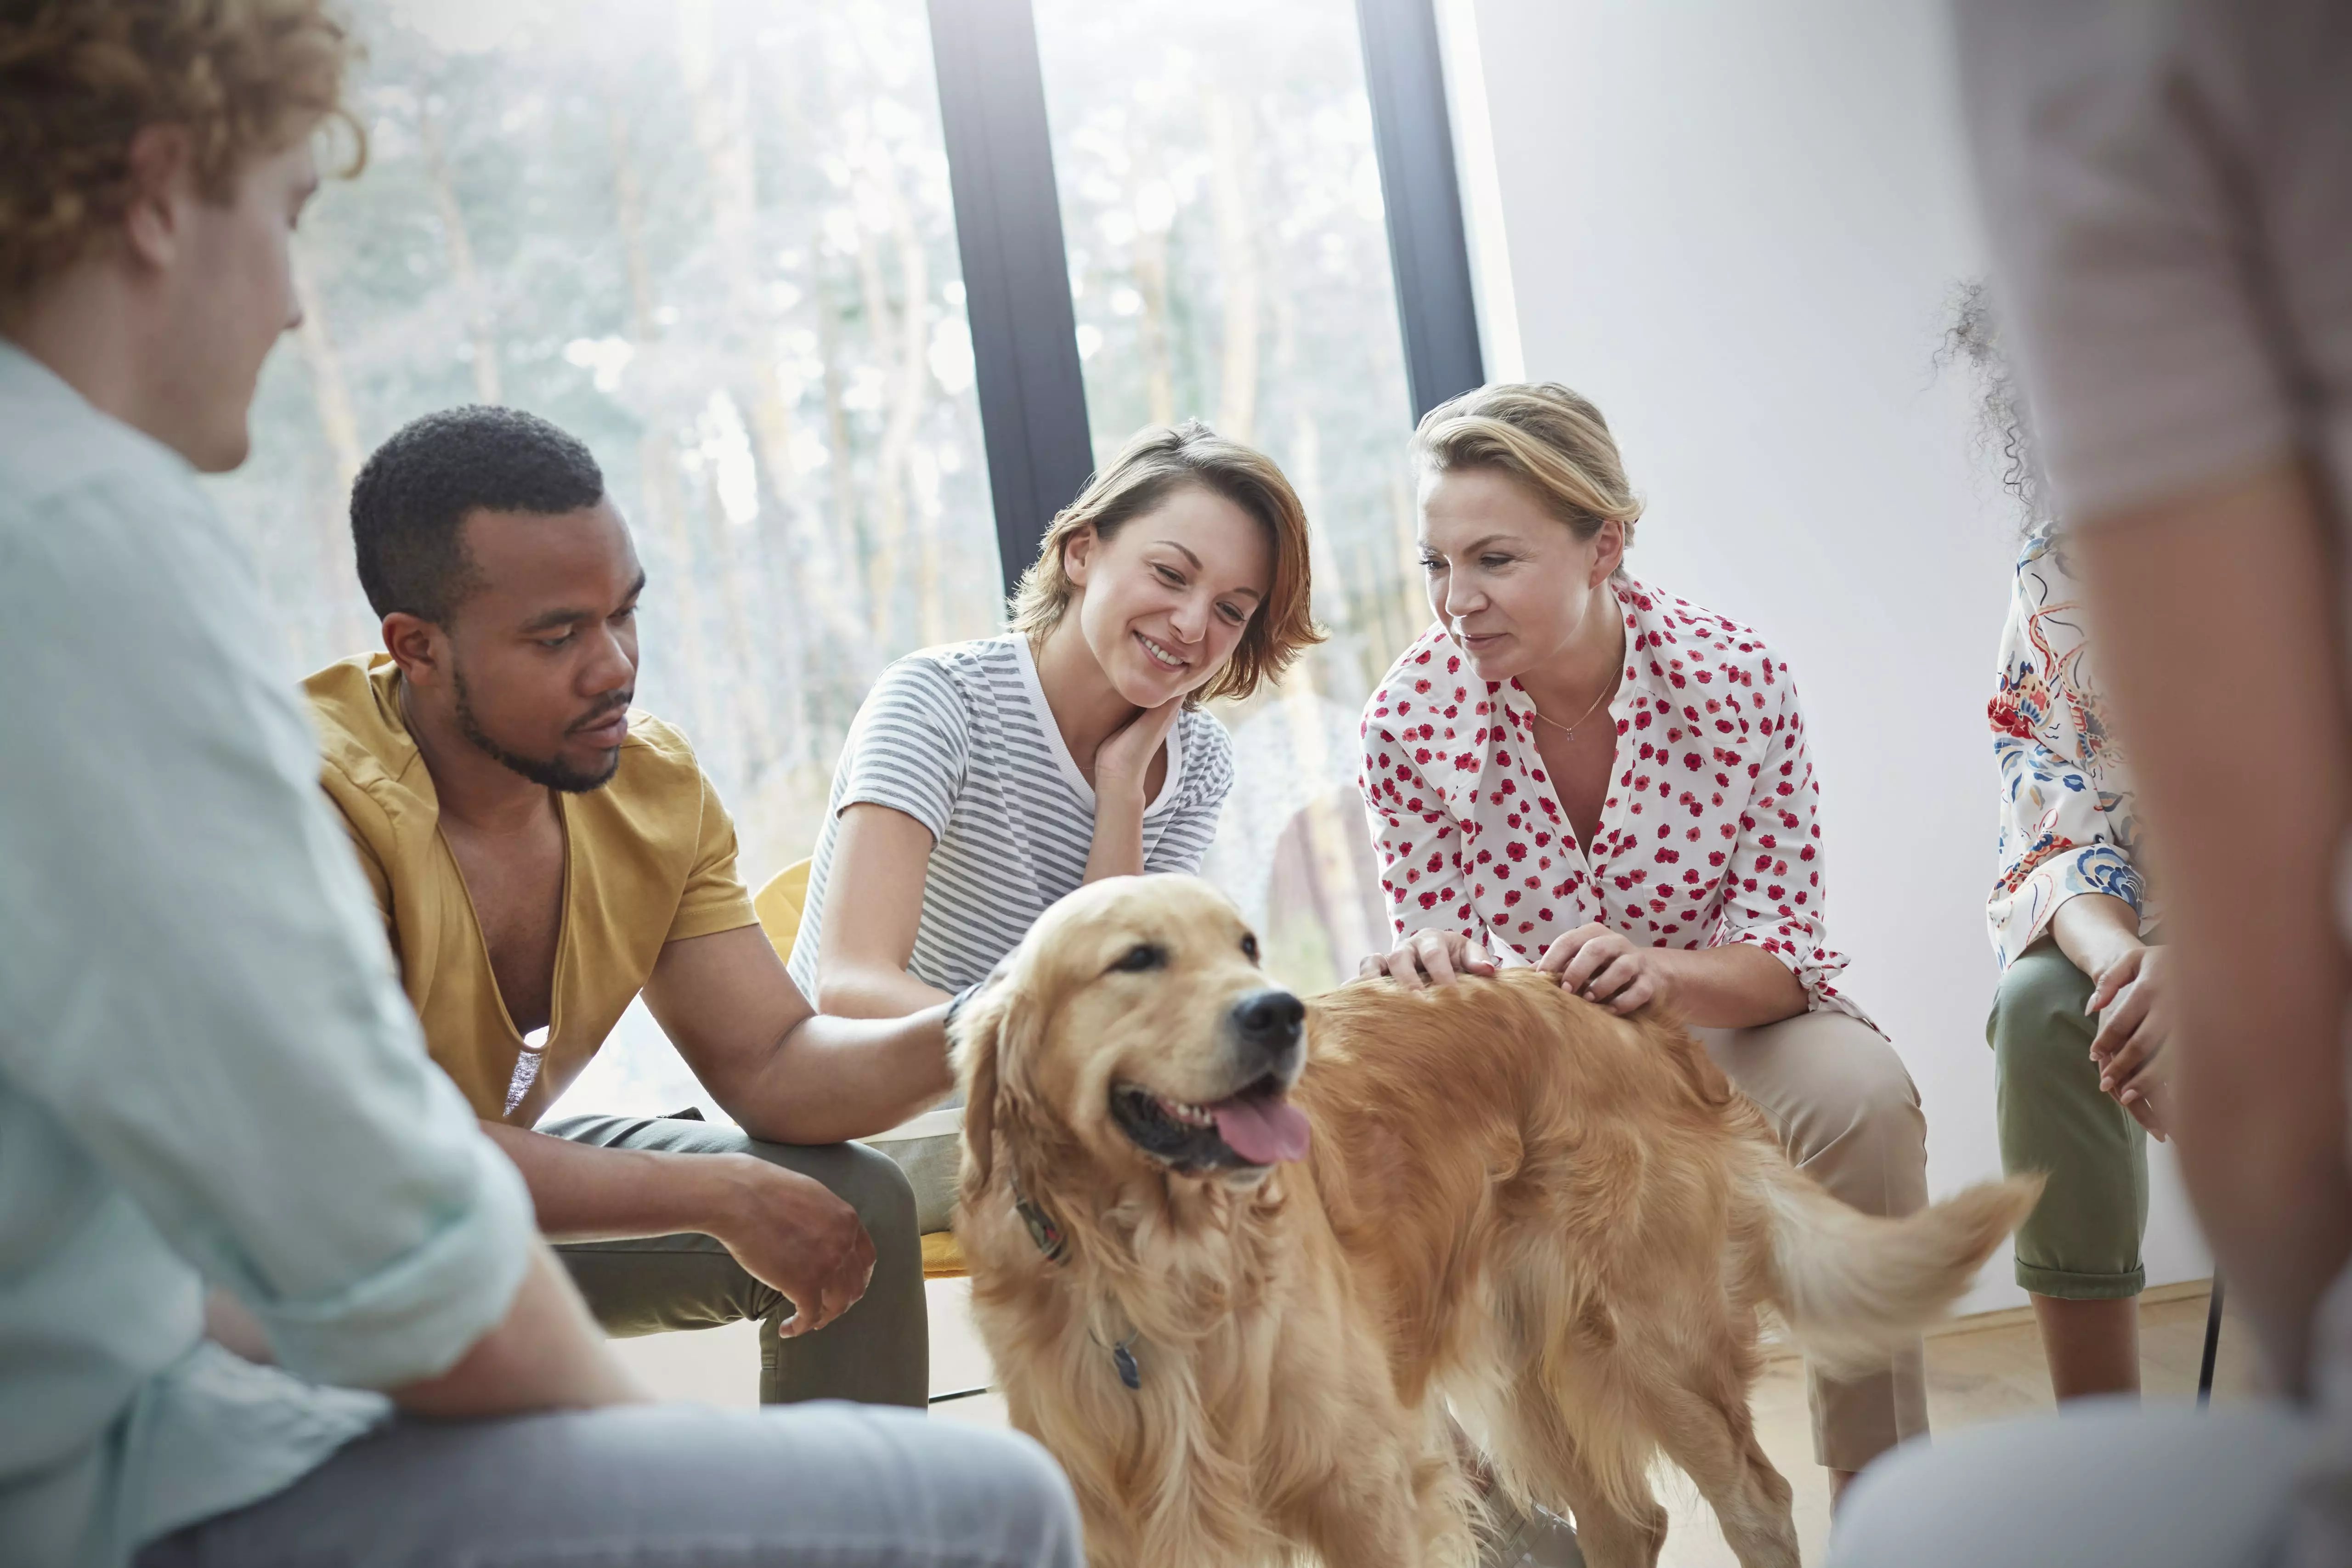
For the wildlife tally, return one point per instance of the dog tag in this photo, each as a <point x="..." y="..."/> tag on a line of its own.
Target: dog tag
<point x="1129" y="1372"/>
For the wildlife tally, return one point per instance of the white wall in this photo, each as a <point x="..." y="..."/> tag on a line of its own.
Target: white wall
<point x="1738" y="228"/>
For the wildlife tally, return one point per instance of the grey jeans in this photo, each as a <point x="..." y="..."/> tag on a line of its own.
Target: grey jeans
<point x="877" y="1353"/>
<point x="816" y="1486"/>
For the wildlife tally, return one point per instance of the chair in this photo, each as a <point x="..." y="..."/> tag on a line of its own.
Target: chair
<point x="780" y="905"/>
<point x="2213" y="1342"/>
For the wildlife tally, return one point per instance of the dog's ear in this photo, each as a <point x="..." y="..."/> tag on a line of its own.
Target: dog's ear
<point x="979" y="1039"/>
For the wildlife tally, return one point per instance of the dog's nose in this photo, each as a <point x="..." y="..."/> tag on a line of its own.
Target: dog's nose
<point x="1269" y="1019"/>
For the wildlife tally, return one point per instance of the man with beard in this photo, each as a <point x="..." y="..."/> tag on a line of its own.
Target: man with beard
<point x="544" y="855"/>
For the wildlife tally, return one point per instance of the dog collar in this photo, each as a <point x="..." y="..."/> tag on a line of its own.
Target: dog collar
<point x="1042" y="1229"/>
<point x="1057" y="1247"/>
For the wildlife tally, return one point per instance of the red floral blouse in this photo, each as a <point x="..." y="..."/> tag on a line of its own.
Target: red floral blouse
<point x="1708" y="834"/>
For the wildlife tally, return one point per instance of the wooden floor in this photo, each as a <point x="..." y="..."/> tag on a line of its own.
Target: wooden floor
<point x="1979" y="1369"/>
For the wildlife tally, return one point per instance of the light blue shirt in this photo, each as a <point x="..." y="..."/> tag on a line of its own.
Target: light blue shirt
<point x="208" y="1072"/>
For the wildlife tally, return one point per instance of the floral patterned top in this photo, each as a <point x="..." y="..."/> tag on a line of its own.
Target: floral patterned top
<point x="2068" y="821"/>
<point x="1709" y="834"/>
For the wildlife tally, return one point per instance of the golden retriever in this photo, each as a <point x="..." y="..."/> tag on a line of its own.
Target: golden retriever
<point x="1241" y="1341"/>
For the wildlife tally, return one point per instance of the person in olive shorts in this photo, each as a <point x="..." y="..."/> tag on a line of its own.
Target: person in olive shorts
<point x="2079" y="1022"/>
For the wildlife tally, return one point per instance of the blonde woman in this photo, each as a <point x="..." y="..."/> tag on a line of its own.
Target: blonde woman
<point x="1573" y="770"/>
<point x="984" y="780"/>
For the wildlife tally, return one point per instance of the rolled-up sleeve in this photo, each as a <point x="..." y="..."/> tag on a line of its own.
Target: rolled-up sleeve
<point x="714" y="898"/>
<point x="1773" y="892"/>
<point x="1418" y="841"/>
<point x="198" y="983"/>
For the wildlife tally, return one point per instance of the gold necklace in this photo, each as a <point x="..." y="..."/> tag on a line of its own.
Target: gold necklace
<point x="1569" y="730"/>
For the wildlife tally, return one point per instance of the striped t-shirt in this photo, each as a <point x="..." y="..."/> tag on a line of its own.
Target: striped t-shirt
<point x="959" y="739"/>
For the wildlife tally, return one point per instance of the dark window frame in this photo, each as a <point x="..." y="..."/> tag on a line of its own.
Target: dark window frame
<point x="1008" y="214"/>
<point x="1429" y="248"/>
<point x="1016" y="270"/>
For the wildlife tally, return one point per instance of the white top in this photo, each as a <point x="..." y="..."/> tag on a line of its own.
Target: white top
<point x="1710" y="833"/>
<point x="205" y="1059"/>
<point x="959" y="738"/>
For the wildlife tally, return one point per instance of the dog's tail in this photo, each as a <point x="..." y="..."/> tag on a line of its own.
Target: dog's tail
<point x="1852" y="1287"/>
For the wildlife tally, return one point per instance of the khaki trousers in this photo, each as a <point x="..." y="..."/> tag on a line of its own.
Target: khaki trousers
<point x="1848" y="1114"/>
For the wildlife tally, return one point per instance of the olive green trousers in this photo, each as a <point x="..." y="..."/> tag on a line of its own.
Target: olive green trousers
<point x="877" y="1353"/>
<point x="2081" y="1241"/>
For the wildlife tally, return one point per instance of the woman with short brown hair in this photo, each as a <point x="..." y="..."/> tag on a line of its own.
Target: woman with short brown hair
<point x="984" y="780"/>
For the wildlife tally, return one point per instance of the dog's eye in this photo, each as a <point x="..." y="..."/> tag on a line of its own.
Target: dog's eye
<point x="1141" y="956"/>
<point x="1249" y="947"/>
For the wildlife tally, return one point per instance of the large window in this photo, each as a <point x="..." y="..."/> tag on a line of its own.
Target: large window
<point x="713" y="240"/>
<point x="1228" y="259"/>
<point x="716" y="239"/>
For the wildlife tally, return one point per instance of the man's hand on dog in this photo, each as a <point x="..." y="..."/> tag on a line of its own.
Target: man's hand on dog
<point x="789" y="1232"/>
<point x="1438" y="956"/>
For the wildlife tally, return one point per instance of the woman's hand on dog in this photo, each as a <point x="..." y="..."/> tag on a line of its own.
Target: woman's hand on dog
<point x="1601" y="966"/>
<point x="788" y="1231"/>
<point x="1440" y="957"/>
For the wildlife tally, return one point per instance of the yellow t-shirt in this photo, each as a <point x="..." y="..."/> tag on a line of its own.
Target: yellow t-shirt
<point x="648" y="859"/>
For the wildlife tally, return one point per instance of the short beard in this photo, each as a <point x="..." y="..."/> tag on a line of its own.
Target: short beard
<point x="548" y="773"/>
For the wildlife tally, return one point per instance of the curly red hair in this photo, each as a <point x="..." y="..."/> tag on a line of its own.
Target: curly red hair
<point x="79" y="78"/>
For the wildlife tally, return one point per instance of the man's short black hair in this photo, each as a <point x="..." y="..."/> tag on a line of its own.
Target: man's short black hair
<point x="411" y="499"/>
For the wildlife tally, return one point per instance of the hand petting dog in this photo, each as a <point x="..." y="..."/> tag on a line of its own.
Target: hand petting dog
<point x="1734" y="985"/>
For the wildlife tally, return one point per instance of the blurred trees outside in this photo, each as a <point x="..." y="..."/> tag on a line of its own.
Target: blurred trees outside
<point x="1220" y="207"/>
<point x="714" y="240"/>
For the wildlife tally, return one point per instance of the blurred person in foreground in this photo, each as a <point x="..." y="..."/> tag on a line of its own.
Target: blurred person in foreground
<point x="543" y="853"/>
<point x="2169" y="193"/>
<point x="207" y="1072"/>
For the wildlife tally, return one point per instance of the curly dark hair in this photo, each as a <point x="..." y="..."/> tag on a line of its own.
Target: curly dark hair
<point x="1974" y="336"/>
<point x="80" y="78"/>
<point x="410" y="501"/>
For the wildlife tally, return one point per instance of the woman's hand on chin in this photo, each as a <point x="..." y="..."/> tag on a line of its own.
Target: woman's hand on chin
<point x="1601" y="966"/>
<point x="1441" y="957"/>
<point x="1123" y="761"/>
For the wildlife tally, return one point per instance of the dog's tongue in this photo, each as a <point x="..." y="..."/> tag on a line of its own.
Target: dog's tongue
<point x="1262" y="1128"/>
